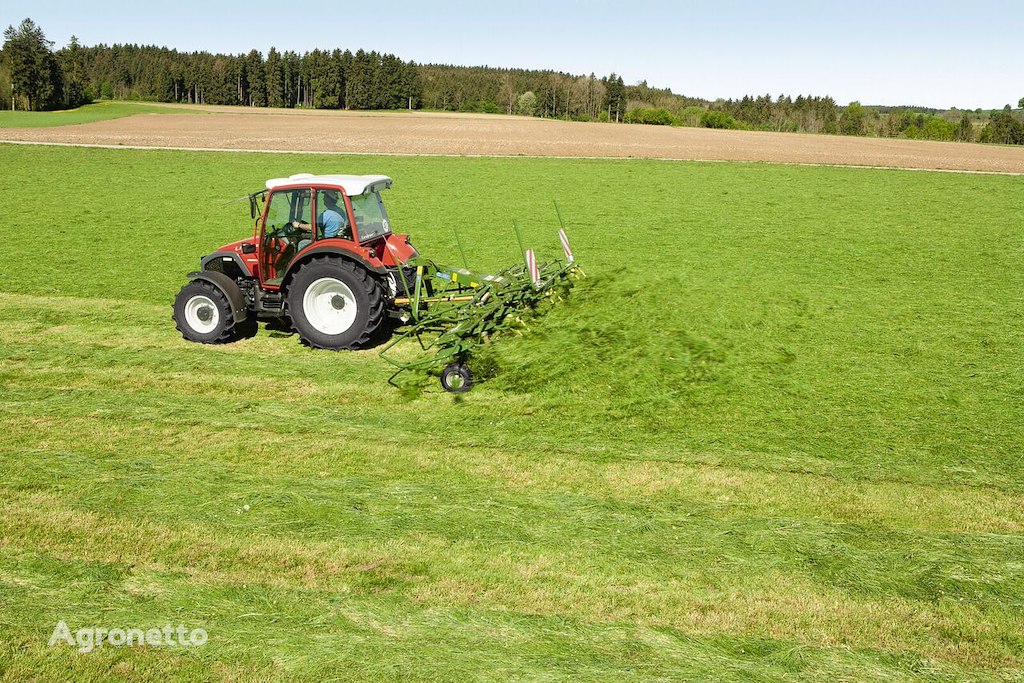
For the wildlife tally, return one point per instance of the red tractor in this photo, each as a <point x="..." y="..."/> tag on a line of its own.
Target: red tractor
<point x="322" y="254"/>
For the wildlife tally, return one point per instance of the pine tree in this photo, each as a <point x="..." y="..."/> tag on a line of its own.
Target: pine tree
<point x="36" y="78"/>
<point x="346" y="70"/>
<point x="256" y="76"/>
<point x="274" y="79"/>
<point x="615" y="97"/>
<point x="388" y="83"/>
<point x="965" y="131"/>
<point x="73" y="68"/>
<point x="409" y="86"/>
<point x="360" y="81"/>
<point x="828" y="112"/>
<point x="334" y="87"/>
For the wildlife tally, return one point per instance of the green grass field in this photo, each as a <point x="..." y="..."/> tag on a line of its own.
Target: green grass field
<point x="776" y="434"/>
<point x="89" y="113"/>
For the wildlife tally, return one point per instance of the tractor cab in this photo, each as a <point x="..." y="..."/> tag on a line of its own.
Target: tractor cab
<point x="307" y="212"/>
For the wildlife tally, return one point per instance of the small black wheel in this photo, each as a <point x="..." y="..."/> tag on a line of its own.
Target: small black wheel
<point x="456" y="378"/>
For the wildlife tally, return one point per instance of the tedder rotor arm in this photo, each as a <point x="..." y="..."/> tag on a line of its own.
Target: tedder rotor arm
<point x="465" y="309"/>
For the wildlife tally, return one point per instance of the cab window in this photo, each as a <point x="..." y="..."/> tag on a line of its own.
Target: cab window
<point x="371" y="217"/>
<point x="282" y="240"/>
<point x="287" y="206"/>
<point x="331" y="216"/>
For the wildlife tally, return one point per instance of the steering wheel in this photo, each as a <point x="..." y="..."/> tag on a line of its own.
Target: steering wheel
<point x="285" y="231"/>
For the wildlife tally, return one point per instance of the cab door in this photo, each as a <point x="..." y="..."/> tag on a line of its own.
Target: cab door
<point x="279" y="240"/>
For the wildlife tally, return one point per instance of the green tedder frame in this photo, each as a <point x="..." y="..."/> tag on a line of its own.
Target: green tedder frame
<point x="454" y="310"/>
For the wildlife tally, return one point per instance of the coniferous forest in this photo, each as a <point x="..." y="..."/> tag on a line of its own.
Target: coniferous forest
<point x="34" y="76"/>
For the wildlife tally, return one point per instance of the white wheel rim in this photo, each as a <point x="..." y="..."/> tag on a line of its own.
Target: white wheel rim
<point x="329" y="306"/>
<point x="201" y="314"/>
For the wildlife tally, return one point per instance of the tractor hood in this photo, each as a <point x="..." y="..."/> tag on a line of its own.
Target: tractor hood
<point x="237" y="246"/>
<point x="247" y="262"/>
<point x="353" y="185"/>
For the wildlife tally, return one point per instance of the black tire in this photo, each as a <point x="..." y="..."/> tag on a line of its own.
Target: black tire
<point x="456" y="378"/>
<point x="248" y="328"/>
<point x="333" y="325"/>
<point x="202" y="314"/>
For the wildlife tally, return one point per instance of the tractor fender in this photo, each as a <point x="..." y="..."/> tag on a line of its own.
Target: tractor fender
<point x="229" y="288"/>
<point x="332" y="251"/>
<point x="225" y="255"/>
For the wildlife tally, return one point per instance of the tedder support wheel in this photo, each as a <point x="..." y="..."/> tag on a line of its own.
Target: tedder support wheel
<point x="456" y="378"/>
<point x="202" y="314"/>
<point x="335" y="304"/>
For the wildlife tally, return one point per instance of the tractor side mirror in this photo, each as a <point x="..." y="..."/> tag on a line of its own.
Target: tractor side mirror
<point x="248" y="248"/>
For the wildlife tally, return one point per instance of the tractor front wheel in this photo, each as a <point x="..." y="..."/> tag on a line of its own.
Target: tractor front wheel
<point x="335" y="304"/>
<point x="202" y="314"/>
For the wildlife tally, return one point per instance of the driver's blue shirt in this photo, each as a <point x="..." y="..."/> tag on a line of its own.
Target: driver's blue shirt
<point x="331" y="221"/>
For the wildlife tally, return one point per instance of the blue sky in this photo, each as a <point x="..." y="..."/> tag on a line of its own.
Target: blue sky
<point x="938" y="53"/>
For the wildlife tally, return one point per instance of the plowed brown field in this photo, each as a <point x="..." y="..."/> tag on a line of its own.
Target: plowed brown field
<point x="472" y="134"/>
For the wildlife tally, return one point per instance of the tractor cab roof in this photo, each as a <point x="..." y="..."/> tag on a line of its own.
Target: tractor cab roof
<point x="353" y="185"/>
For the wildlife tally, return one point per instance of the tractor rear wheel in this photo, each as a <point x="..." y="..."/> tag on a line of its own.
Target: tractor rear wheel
<point x="335" y="304"/>
<point x="202" y="314"/>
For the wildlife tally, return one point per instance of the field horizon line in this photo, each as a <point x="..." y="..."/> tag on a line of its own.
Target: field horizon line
<point x="166" y="148"/>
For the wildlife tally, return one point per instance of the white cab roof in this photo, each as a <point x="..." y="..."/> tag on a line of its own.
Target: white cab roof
<point x="352" y="184"/>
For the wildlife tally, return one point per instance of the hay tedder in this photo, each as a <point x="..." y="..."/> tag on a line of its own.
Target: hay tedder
<point x="324" y="258"/>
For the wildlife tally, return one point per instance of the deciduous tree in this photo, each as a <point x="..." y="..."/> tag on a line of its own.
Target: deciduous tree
<point x="852" y="120"/>
<point x="526" y="104"/>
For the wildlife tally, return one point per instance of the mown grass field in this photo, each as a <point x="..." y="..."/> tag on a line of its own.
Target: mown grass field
<point x="88" y="113"/>
<point x="776" y="434"/>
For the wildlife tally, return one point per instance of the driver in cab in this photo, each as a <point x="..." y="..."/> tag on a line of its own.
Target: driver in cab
<point x="333" y="219"/>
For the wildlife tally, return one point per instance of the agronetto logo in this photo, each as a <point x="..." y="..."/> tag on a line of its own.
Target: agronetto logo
<point x="91" y="638"/>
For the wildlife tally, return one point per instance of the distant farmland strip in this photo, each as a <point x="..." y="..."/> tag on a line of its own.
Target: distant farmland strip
<point x="239" y="128"/>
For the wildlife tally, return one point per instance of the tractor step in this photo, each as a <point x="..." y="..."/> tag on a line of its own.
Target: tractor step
<point x="270" y="303"/>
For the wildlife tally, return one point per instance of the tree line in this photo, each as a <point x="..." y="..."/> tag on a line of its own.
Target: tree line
<point x="526" y="92"/>
<point x="37" y="78"/>
<point x="33" y="76"/>
<point x="822" y="115"/>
